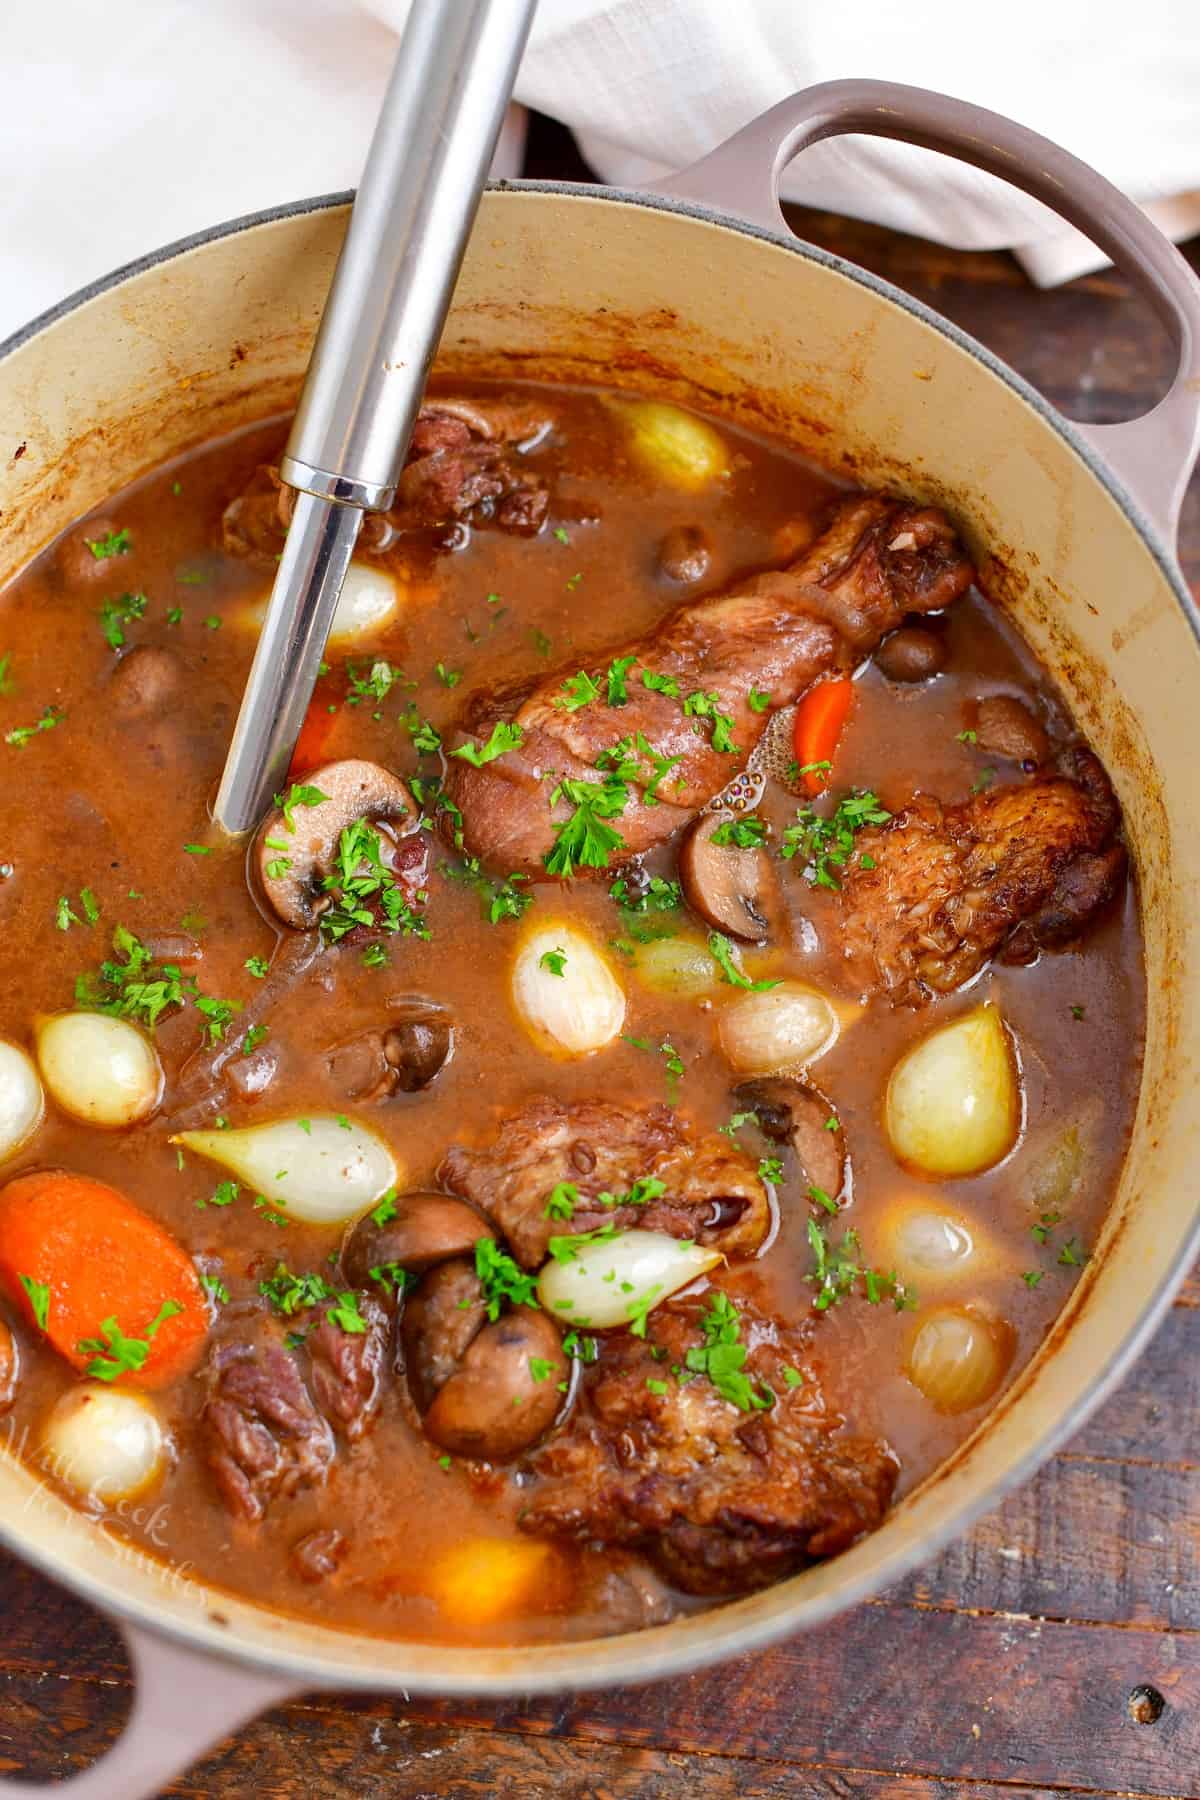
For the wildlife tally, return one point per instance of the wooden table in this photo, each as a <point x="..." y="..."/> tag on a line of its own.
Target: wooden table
<point x="1056" y="1650"/>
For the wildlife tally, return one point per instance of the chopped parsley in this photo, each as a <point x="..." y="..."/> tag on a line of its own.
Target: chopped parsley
<point x="565" y="1249"/>
<point x="376" y="684"/>
<point x="21" y="734"/>
<point x="254" y="1038"/>
<point x="498" y="899"/>
<point x="967" y="737"/>
<point x="113" y="1354"/>
<point x="386" y="1208"/>
<point x="577" y="690"/>
<point x="555" y="961"/>
<point x="290" y="1294"/>
<point x="256" y="966"/>
<point x="215" y="1288"/>
<point x="586" y="840"/>
<point x="615" y="676"/>
<point x="116" y="613"/>
<point x="540" y="1369"/>
<point x="722" y="951"/>
<point x="561" y="1201"/>
<point x="504" y="1282"/>
<point x="674" y="1062"/>
<point x="1031" y="1277"/>
<point x="722" y="1357"/>
<point x="300" y="793"/>
<point x="217" y="1014"/>
<point x="757" y="701"/>
<point x="375" y="956"/>
<point x="1077" y="1012"/>
<point x="561" y="533"/>
<point x="39" y="1299"/>
<point x="660" y="684"/>
<point x="746" y="833"/>
<point x="365" y="892"/>
<point x="224" y="1194"/>
<point x="770" y="1169"/>
<point x="505" y="736"/>
<point x="826" y="843"/>
<point x="736" y="1122"/>
<point x="700" y="705"/>
<point x="983" y="780"/>
<point x="1072" y="1255"/>
<point x="113" y="543"/>
<point x="449" y="678"/>
<point x="624" y="761"/>
<point x="134" y="988"/>
<point x="837" y="1272"/>
<point x="426" y="740"/>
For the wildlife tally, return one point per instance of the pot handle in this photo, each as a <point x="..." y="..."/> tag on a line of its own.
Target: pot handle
<point x="1153" y="456"/>
<point x="184" y="1702"/>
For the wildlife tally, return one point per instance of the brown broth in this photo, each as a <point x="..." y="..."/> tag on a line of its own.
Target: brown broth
<point x="110" y="806"/>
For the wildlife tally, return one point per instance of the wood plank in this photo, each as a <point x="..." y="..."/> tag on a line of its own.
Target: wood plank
<point x="323" y="1749"/>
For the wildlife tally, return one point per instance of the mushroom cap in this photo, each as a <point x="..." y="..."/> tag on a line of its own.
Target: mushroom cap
<point x="501" y="1399"/>
<point x="427" y="1228"/>
<point x="353" y="790"/>
<point x="440" y="1322"/>
<point x="729" y="887"/>
<point x="792" y="1113"/>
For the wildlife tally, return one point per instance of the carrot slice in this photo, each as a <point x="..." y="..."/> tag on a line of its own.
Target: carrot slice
<point x="77" y="1256"/>
<point x="820" y="717"/>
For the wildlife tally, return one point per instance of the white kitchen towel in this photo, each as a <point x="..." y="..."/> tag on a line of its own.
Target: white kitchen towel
<point x="127" y="124"/>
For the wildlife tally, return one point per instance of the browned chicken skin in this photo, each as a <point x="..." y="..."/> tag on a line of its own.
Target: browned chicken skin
<point x="711" y="1191"/>
<point x="934" y="894"/>
<point x="722" y="1500"/>
<point x="772" y="634"/>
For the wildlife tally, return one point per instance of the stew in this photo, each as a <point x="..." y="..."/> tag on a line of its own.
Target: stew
<point x="650" y="1083"/>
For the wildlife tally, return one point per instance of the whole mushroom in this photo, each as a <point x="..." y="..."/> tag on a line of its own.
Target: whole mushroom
<point x="423" y="1229"/>
<point x="487" y="1388"/>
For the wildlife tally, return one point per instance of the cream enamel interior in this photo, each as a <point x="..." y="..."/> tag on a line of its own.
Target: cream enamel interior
<point x="592" y="286"/>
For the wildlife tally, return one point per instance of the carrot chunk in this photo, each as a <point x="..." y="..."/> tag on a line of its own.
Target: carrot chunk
<point x="110" y="1289"/>
<point x="820" y="717"/>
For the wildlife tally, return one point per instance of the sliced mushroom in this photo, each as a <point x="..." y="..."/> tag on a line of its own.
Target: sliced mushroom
<point x="727" y="886"/>
<point x="145" y="682"/>
<point x="486" y="1388"/>
<point x="914" y="653"/>
<point x="1006" y="727"/>
<point x="9" y="1366"/>
<point x="685" y="553"/>
<point x="426" y="1228"/>
<point x="798" y="1116"/>
<point x="353" y="790"/>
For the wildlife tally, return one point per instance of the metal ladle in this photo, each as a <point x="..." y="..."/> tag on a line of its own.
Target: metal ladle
<point x="425" y="171"/>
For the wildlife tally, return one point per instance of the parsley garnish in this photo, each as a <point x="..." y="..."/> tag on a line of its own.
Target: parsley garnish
<point x="254" y="1038"/>
<point x="256" y="966"/>
<point x="585" y="840"/>
<point x="215" y="1288"/>
<point x="505" y="736"/>
<point x="426" y="741"/>
<point x="362" y="876"/>
<point x="553" y="960"/>
<point x="757" y="701"/>
<point x="838" y="1270"/>
<point x="116" y="613"/>
<point x="700" y="705"/>
<point x="983" y="780"/>
<point x="577" y="690"/>
<point x="114" y="543"/>
<point x="722" y="1356"/>
<point x="39" y="1299"/>
<point x="660" y="684"/>
<point x="448" y="677"/>
<point x="300" y="794"/>
<point x="21" y="734"/>
<point x="746" y="833"/>
<point x="722" y="951"/>
<point x="503" y="1280"/>
<point x="770" y="1169"/>
<point x="617" y="670"/>
<point x="498" y="899"/>
<point x="134" y="988"/>
<point x="562" y="1201"/>
<point x="826" y="843"/>
<point x="113" y="1354"/>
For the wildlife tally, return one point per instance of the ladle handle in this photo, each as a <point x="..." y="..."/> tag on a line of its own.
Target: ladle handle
<point x="412" y="215"/>
<point x="1153" y="456"/>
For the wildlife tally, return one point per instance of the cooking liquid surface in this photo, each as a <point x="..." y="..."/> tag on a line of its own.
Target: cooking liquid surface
<point x="101" y="803"/>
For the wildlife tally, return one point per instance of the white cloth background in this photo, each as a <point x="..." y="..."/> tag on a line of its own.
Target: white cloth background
<point x="126" y="123"/>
